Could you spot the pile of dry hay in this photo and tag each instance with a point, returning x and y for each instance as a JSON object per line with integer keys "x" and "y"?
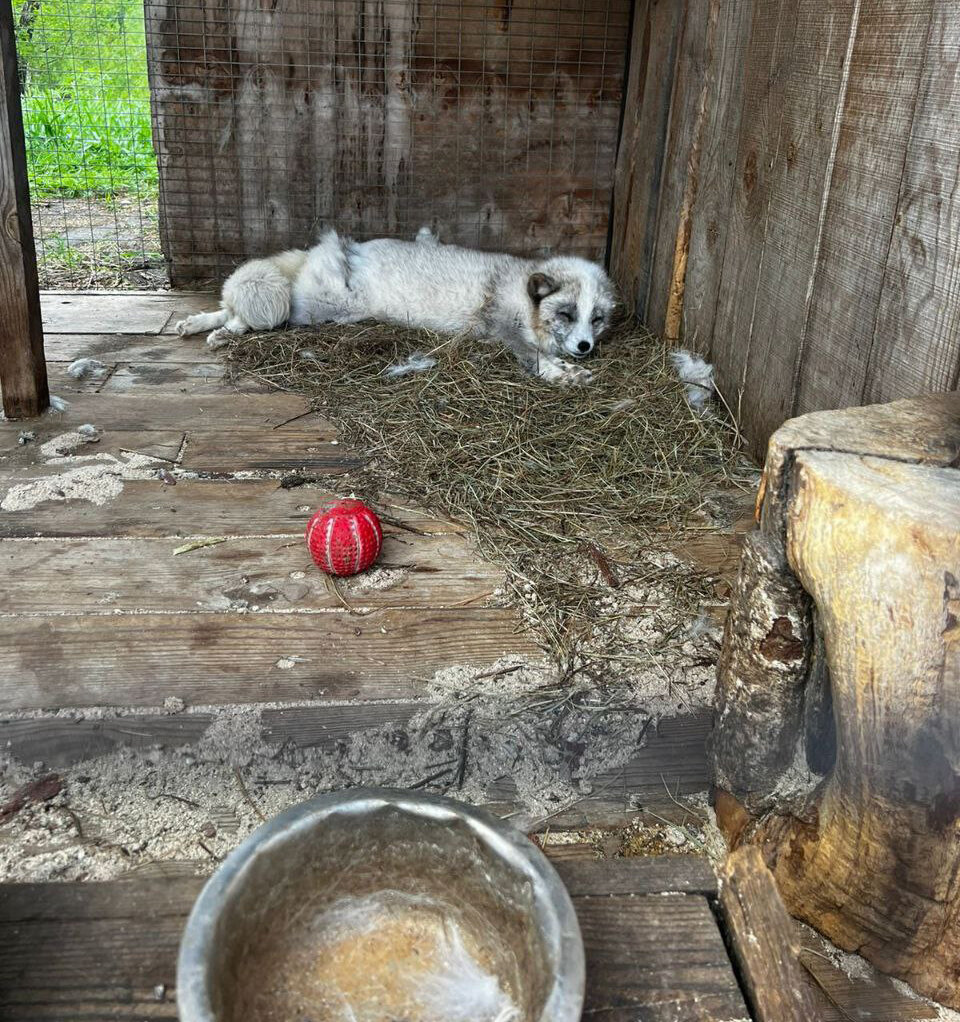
{"x": 568, "y": 489}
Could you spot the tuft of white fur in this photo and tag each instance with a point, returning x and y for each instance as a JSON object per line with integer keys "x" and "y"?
{"x": 81, "y": 368}
{"x": 57, "y": 404}
{"x": 697, "y": 377}
{"x": 418, "y": 362}
{"x": 462, "y": 991}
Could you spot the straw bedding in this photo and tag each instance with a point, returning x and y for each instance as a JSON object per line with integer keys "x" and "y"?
{"x": 576, "y": 492}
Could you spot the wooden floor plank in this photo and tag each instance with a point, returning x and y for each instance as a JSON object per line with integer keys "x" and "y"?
{"x": 642, "y": 784}
{"x": 141, "y": 659}
{"x": 59, "y": 742}
{"x": 97, "y": 575}
{"x": 657, "y": 874}
{"x": 166, "y": 410}
{"x": 152, "y": 507}
{"x": 19, "y": 461}
{"x": 204, "y": 507}
{"x": 657, "y": 958}
{"x": 124, "y": 348}
{"x": 93, "y": 313}
{"x": 308, "y": 450}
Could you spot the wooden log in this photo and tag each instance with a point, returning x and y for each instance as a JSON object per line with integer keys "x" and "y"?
{"x": 23, "y": 374}
{"x": 764, "y": 940}
{"x": 857, "y": 773}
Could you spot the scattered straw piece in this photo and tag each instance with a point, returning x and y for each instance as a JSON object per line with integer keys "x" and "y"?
{"x": 199, "y": 544}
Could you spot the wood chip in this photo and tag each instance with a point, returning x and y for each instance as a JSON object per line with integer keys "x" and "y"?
{"x": 40, "y": 790}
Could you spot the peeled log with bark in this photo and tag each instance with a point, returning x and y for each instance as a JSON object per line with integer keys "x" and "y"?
{"x": 851, "y": 750}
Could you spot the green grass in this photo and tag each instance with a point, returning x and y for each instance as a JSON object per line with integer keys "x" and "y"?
{"x": 86, "y": 103}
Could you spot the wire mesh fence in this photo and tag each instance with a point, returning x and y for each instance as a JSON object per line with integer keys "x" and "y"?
{"x": 90, "y": 155}
{"x": 493, "y": 121}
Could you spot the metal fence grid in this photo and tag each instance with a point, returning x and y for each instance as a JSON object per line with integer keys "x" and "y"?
{"x": 496, "y": 122}
{"x": 91, "y": 161}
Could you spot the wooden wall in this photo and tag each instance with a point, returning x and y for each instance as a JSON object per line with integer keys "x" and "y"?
{"x": 788, "y": 196}
{"x": 494, "y": 120}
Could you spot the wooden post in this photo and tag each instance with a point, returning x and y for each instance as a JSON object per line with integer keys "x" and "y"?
{"x": 839, "y": 688}
{"x": 23, "y": 372}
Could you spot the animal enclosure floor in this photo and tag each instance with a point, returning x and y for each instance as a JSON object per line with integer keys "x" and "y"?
{"x": 172, "y": 659}
{"x": 154, "y": 704}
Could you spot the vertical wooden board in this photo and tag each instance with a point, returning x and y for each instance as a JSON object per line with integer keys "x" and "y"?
{"x": 23, "y": 374}
{"x": 640, "y": 163}
{"x": 916, "y": 343}
{"x": 860, "y": 208}
{"x": 697, "y": 35}
{"x": 801, "y": 165}
{"x": 767, "y": 62}
{"x": 711, "y": 210}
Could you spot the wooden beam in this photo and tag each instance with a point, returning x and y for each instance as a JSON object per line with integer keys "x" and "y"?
{"x": 765, "y": 942}
{"x": 23, "y": 373}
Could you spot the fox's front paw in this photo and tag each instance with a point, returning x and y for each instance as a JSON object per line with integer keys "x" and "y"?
{"x": 565, "y": 374}
{"x": 220, "y": 338}
{"x": 181, "y": 327}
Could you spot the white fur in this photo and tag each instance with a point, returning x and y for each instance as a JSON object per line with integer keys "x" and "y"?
{"x": 697, "y": 375}
{"x": 539, "y": 309}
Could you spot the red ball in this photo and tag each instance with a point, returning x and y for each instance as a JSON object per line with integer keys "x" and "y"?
{"x": 344, "y": 537}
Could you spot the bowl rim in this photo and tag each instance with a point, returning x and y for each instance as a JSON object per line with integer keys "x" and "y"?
{"x": 552, "y": 904}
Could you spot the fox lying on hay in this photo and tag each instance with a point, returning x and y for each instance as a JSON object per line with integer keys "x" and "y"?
{"x": 542, "y": 310}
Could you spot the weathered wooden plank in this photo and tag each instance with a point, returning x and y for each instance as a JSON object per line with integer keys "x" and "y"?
{"x": 152, "y": 507}
{"x": 658, "y": 874}
{"x": 681, "y": 168}
{"x": 725, "y": 82}
{"x": 23, "y": 380}
{"x": 310, "y": 450}
{"x": 123, "y": 348}
{"x": 764, "y": 940}
{"x": 97, "y": 575}
{"x": 767, "y": 62}
{"x": 205, "y": 507}
{"x": 672, "y": 763}
{"x": 176, "y": 411}
{"x": 640, "y": 161}
{"x": 60, "y": 742}
{"x": 192, "y": 379}
{"x": 859, "y": 209}
{"x": 800, "y": 170}
{"x": 838, "y": 997}
{"x": 520, "y": 159}
{"x": 915, "y": 347}
{"x": 107, "y": 312}
{"x": 660, "y": 956}
{"x": 136, "y": 659}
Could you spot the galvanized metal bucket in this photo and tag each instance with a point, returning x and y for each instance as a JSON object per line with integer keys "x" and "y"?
{"x": 353, "y": 844}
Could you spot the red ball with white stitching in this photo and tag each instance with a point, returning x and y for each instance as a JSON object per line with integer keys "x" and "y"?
{"x": 344, "y": 537}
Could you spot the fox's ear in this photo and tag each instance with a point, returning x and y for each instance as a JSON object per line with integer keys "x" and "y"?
{"x": 540, "y": 285}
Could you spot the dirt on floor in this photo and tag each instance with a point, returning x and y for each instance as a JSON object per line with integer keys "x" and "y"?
{"x": 98, "y": 243}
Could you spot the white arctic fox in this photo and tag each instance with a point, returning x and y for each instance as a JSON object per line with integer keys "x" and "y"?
{"x": 540, "y": 309}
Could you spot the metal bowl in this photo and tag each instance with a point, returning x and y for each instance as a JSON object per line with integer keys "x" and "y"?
{"x": 489, "y": 879}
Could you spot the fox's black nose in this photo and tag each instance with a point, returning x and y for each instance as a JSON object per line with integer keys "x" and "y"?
{"x": 583, "y": 347}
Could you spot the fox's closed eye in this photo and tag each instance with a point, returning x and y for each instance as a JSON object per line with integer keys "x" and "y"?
{"x": 564, "y": 316}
